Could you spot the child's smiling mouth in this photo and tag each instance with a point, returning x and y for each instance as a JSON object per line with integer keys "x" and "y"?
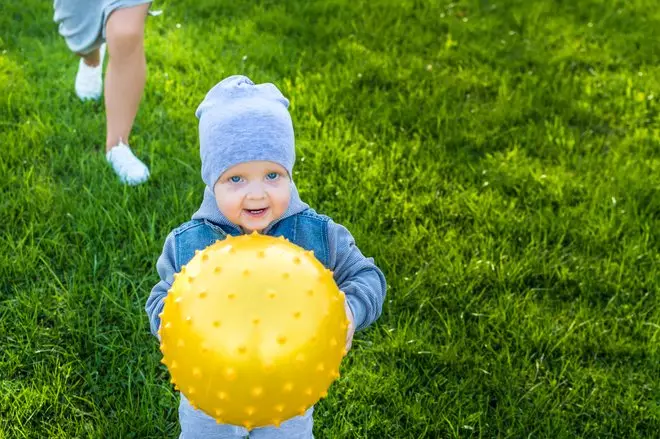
{"x": 256, "y": 213}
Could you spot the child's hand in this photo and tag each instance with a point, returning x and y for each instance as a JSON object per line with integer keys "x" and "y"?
{"x": 351, "y": 325}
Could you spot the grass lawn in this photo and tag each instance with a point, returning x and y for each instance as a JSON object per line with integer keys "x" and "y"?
{"x": 499, "y": 159}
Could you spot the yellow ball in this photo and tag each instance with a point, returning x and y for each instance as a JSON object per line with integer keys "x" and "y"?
{"x": 253, "y": 330}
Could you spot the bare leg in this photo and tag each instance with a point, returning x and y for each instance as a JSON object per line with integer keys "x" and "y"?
{"x": 124, "y": 84}
{"x": 126, "y": 73}
{"x": 93, "y": 58}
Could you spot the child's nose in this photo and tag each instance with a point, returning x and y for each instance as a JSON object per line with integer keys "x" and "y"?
{"x": 256, "y": 191}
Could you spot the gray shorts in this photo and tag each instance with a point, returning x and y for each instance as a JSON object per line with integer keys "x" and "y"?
{"x": 82, "y": 22}
{"x": 195, "y": 424}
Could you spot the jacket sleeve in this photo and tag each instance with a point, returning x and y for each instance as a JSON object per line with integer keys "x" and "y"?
{"x": 166, "y": 267}
{"x": 356, "y": 275}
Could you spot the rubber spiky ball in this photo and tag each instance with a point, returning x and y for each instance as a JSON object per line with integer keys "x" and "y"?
{"x": 253, "y": 330}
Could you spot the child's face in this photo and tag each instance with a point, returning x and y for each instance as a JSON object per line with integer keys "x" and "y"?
{"x": 253, "y": 194}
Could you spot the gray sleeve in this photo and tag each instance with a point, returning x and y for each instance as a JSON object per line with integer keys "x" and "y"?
{"x": 356, "y": 275}
{"x": 166, "y": 267}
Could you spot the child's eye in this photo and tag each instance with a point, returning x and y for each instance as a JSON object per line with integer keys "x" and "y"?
{"x": 272, "y": 175}
{"x": 235, "y": 179}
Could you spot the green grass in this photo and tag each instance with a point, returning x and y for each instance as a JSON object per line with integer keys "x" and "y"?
{"x": 500, "y": 160}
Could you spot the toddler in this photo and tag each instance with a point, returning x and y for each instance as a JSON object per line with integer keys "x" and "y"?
{"x": 247, "y": 152}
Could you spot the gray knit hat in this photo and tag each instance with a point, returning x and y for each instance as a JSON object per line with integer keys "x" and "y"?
{"x": 239, "y": 122}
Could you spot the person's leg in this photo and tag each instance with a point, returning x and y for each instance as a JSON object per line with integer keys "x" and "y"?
{"x": 126, "y": 73}
{"x": 80, "y": 23}
{"x": 298, "y": 427}
{"x": 89, "y": 79}
{"x": 124, "y": 84}
{"x": 93, "y": 58}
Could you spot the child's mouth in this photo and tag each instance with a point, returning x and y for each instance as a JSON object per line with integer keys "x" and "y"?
{"x": 256, "y": 212}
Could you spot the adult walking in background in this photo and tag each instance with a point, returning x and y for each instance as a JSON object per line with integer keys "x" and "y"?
{"x": 87, "y": 26}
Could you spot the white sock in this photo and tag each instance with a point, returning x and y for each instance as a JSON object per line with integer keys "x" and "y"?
{"x": 89, "y": 80}
{"x": 128, "y": 167}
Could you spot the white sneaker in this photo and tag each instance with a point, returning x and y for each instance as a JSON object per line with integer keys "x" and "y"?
{"x": 89, "y": 80}
{"x": 128, "y": 167}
